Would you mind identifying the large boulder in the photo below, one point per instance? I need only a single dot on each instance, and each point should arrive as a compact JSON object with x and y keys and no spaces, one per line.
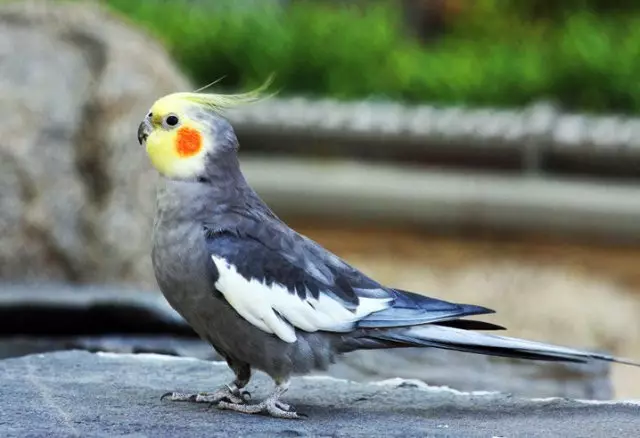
{"x":77,"y":191}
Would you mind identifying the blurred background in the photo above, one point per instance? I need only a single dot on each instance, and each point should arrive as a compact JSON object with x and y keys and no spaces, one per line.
{"x":483,"y":151}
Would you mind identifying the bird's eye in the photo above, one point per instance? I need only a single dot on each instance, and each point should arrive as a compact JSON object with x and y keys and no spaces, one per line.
{"x":150,"y":115}
{"x":171,"y":120}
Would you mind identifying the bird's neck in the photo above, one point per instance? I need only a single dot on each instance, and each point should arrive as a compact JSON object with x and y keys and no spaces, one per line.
{"x":224,"y":189}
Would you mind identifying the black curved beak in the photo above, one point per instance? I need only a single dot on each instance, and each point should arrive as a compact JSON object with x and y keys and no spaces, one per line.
{"x":143,"y":131}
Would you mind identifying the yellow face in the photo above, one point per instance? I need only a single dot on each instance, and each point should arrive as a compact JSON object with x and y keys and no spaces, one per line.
{"x":176,"y":143}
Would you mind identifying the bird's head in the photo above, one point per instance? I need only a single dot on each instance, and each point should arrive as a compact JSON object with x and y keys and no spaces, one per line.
{"x":184,"y":133}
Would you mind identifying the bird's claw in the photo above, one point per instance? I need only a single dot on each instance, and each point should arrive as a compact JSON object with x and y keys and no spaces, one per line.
{"x":181,"y":396}
{"x":239,"y":392}
{"x":166,"y":394}
{"x":272,"y":408}
{"x":288,"y":408}
{"x":225,"y":394}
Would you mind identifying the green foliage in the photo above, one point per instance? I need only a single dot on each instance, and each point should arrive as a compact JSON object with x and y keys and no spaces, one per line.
{"x":561,"y":9}
{"x":598,"y":64}
{"x":492,"y":56}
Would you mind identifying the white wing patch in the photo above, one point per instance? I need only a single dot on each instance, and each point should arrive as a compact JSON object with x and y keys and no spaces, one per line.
{"x":258,"y":303}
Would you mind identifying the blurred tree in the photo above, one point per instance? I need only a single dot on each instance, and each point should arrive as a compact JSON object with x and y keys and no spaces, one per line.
{"x":425,"y":20}
{"x":429,"y":19}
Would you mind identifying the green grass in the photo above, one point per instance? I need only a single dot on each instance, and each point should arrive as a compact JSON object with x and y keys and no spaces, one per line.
{"x":584,"y":62}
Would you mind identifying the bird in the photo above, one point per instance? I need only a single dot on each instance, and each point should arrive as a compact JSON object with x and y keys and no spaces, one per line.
{"x":266,"y":297}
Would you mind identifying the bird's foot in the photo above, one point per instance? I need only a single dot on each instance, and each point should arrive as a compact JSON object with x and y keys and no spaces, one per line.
{"x":229,"y":393}
{"x":270,"y":406}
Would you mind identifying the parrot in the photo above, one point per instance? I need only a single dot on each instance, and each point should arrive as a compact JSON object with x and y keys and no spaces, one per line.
{"x":265,"y":297}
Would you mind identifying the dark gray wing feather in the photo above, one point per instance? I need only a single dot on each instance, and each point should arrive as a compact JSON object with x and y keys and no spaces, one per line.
{"x":272,"y":253}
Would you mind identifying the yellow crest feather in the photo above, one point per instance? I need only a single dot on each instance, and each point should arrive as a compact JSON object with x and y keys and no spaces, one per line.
{"x":221,"y":102}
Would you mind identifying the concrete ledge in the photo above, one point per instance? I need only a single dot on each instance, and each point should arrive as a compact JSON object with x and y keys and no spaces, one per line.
{"x":533,"y":138}
{"x":45,"y":318}
{"x":105,"y":394}
{"x":438,"y":199}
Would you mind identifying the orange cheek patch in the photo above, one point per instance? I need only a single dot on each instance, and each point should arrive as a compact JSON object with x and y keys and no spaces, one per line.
{"x":189,"y":141}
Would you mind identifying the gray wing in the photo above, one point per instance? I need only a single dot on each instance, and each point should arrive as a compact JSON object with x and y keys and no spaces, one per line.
{"x":281,"y":281}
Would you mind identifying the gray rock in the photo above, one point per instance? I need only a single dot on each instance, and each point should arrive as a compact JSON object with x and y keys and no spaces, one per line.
{"x":88,"y":309}
{"x":461,"y":371}
{"x":472,"y":372}
{"x":17,"y":346}
{"x":77,"y":192}
{"x":109,"y":395}
{"x":126,"y":321}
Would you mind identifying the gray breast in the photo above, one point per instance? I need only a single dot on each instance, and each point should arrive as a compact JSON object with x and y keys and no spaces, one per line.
{"x":185,"y":274}
{"x":180,"y":265}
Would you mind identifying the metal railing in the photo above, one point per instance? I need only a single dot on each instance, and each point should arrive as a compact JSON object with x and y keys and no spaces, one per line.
{"x":532,"y":139}
{"x":540,"y":143}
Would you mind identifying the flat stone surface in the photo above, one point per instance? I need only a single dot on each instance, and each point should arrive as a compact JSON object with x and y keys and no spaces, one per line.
{"x":52,"y":317}
{"x":106,"y":395}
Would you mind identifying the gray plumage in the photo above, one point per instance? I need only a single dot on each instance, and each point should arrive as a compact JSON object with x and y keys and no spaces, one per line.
{"x":212,"y":231}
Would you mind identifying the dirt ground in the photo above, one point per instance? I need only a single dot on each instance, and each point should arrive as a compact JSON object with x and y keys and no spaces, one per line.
{"x":576,"y":294}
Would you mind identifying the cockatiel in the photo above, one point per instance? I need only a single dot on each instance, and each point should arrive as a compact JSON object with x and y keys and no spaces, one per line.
{"x":264,"y":296}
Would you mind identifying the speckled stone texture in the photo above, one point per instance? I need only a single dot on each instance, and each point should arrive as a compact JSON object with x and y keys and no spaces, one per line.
{"x":110,"y":395}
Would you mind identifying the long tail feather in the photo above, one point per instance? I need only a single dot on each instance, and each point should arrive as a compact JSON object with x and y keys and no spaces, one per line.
{"x":452,"y":338}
